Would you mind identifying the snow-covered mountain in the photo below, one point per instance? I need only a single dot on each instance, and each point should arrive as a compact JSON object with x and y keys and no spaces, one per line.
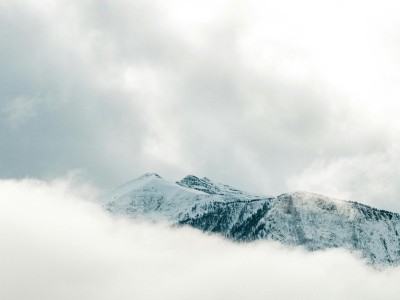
{"x":297,"y":219}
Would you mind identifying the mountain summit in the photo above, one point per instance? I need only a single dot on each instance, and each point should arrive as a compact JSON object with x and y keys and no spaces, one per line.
{"x":301,"y":219}
{"x":204,"y":185}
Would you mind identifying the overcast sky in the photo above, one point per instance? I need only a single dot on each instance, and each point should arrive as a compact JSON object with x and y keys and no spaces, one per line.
{"x":268,"y":96}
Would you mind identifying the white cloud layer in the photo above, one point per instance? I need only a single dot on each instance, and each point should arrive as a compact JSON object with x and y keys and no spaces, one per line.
{"x":264,"y":95}
{"x":57,"y":244}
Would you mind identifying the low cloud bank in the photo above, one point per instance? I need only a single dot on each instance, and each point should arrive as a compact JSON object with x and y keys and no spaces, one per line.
{"x":58,"y":244}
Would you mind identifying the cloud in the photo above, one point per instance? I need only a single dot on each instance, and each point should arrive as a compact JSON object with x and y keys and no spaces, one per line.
{"x":250,"y":93}
{"x":58,"y":244}
{"x":362,"y":178}
{"x":19,"y":110}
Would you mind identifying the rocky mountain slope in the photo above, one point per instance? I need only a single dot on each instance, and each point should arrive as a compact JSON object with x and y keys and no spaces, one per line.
{"x":298,"y":219}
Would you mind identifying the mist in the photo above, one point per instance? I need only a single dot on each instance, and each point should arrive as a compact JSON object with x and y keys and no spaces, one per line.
{"x":58,"y":243}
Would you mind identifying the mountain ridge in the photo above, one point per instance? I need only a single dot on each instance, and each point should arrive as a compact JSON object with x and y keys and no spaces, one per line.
{"x":312,"y":221}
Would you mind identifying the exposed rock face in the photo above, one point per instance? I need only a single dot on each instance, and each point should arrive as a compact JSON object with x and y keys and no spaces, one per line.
{"x":297,"y":219}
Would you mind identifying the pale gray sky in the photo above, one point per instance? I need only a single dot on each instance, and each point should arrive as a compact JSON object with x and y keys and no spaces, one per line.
{"x":268,"y":96}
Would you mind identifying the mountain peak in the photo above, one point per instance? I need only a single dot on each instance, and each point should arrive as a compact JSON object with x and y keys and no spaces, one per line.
{"x":147,"y":175}
{"x":192,"y":179}
{"x":201,"y":184}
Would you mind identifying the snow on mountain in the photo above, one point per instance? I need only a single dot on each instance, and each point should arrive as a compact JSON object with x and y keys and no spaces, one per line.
{"x":297,"y":219}
{"x":209,"y":187}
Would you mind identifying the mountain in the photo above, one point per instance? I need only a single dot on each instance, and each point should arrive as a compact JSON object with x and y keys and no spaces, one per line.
{"x":301,"y":219}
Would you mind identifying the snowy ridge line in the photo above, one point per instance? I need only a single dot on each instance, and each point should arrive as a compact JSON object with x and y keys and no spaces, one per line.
{"x":381,"y":211}
{"x":248,"y":201}
{"x":308,"y":220}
